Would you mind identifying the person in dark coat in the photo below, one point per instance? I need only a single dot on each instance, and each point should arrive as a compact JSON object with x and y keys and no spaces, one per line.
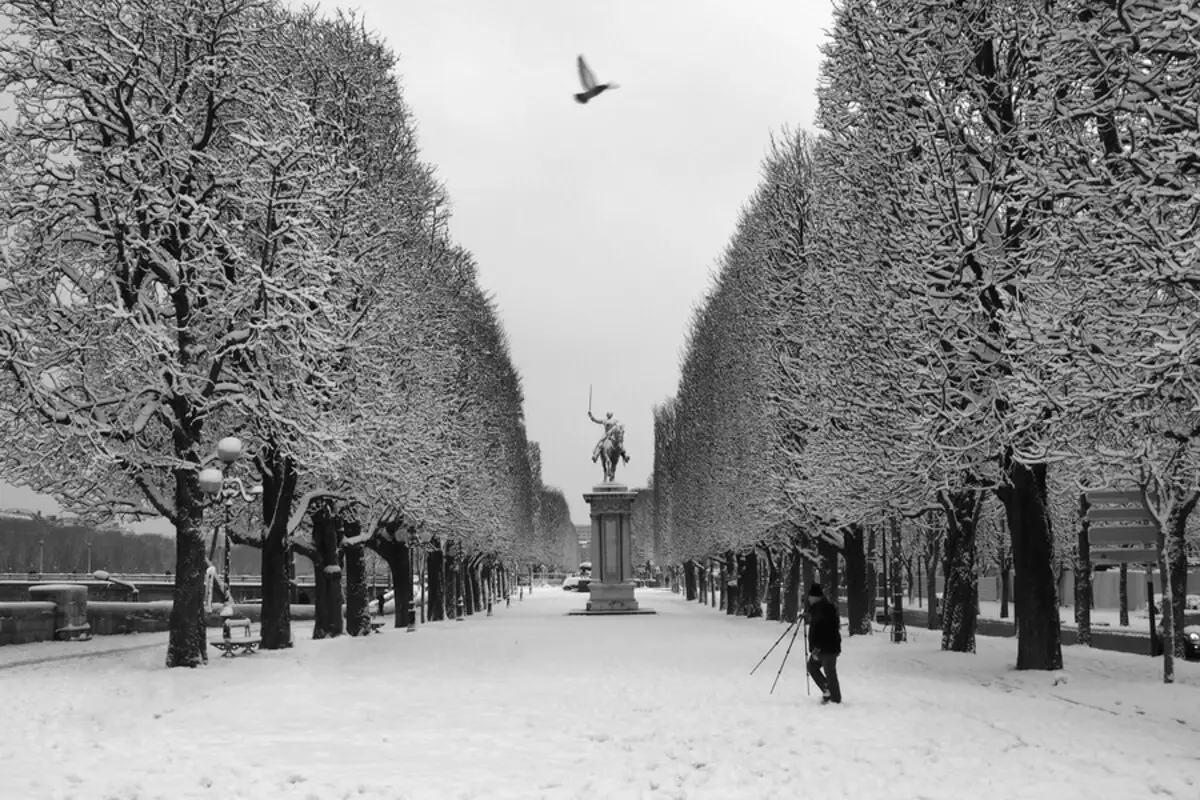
{"x":825,"y":644}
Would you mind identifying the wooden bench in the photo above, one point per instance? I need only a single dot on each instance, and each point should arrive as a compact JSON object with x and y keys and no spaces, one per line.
{"x":230,"y":646}
{"x":376,"y":627}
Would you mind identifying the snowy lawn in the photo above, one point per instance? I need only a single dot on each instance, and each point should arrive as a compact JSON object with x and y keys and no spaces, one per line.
{"x":532,"y":703}
{"x":1102,"y":618}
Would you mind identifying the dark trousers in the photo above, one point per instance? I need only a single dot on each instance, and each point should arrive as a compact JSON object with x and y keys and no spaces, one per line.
{"x":823,"y":669}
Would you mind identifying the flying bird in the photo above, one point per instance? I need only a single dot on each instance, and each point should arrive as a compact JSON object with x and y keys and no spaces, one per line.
{"x":590,"y":87}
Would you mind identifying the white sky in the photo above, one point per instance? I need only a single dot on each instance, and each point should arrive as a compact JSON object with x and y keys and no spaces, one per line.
{"x":596,"y":227}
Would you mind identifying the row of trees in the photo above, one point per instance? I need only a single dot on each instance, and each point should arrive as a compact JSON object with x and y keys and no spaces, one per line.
{"x":980,"y":280}
{"x":216,"y":222}
{"x":39,"y":543}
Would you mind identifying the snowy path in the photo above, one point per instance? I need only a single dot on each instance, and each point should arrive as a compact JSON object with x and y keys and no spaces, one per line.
{"x":534,"y":704}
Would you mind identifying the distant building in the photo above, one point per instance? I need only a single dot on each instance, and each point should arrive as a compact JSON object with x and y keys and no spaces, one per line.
{"x":583,"y":534}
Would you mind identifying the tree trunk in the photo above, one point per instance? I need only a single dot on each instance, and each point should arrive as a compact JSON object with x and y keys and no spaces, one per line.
{"x":1005,"y":587}
{"x":702,"y":582}
{"x":399,"y":560}
{"x":187,"y":645}
{"x":481,"y":594}
{"x":908,"y":573}
{"x":959,"y":598}
{"x":1124,"y":620}
{"x":1083,"y":575}
{"x":452,"y":583}
{"x":460,"y":589}
{"x":689,"y":580}
{"x":872,"y":573}
{"x":807,"y":579}
{"x":435,"y":573}
{"x":327,"y":572}
{"x":748,"y":590}
{"x":859,"y":605}
{"x":1176,"y":556}
{"x":934,"y":617}
{"x":1039,"y":633}
{"x":405,"y":611}
{"x":731,"y":584}
{"x":885,"y":574}
{"x":279,"y":493}
{"x":358,"y":591}
{"x":722,"y":585}
{"x":791,"y":592}
{"x":466,"y":569}
{"x":920,"y":584}
{"x":473,"y":591}
{"x":899,"y":633}
{"x":829,"y":570}
{"x":774,"y":587}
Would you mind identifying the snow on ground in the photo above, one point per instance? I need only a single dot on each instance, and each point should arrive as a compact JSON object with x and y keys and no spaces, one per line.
{"x":531,"y":703}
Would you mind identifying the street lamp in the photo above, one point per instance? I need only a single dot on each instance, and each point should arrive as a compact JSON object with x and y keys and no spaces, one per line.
{"x":103,"y":575}
{"x":213,"y":482}
{"x":417,"y":544}
{"x":460,"y":581}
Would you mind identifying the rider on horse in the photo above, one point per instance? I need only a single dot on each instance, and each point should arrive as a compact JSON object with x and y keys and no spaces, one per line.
{"x":614,"y":433}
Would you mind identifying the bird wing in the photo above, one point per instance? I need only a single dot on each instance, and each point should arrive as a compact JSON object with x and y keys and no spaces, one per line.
{"x":585,"y":76}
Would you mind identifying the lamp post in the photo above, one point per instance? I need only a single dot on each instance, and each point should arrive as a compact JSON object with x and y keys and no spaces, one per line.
{"x":460,"y":580}
{"x":213,"y":482}
{"x":416,"y":550}
{"x":103,"y":575}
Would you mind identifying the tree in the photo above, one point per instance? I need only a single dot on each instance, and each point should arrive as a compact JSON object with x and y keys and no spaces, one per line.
{"x":140,"y":200}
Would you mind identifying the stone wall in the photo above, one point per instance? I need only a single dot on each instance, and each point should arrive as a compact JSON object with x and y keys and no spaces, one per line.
{"x":24,"y":622}
{"x":108,"y":618}
{"x":21,"y":623}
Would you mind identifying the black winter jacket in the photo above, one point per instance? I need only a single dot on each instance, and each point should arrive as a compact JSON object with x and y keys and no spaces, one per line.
{"x":824,"y":628}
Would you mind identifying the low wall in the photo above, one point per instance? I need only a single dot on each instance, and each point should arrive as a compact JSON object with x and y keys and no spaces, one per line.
{"x":21,"y":623}
{"x":108,"y":618}
{"x":25,"y":622}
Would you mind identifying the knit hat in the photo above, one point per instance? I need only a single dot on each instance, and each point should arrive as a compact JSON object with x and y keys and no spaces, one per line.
{"x":815,"y":591}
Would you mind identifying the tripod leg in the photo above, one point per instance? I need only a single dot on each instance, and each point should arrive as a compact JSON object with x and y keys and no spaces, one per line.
{"x":777,"y":641}
{"x":807,"y":677}
{"x":785,"y":657}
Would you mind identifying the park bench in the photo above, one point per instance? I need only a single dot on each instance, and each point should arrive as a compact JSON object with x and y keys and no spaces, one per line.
{"x":229,"y":645}
{"x":376,"y":627}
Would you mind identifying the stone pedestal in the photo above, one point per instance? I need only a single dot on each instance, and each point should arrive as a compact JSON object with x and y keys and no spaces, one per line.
{"x":70,"y":603}
{"x":611,"y":589}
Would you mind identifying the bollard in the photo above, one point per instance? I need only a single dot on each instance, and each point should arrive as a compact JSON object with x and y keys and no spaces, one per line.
{"x":508,"y":601}
{"x":459,"y":608}
{"x":489,"y":608}
{"x":522,"y":597}
{"x":412,"y":616}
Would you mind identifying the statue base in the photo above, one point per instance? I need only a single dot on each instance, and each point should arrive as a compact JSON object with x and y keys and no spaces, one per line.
{"x":610,"y":599}
{"x":611,"y":590}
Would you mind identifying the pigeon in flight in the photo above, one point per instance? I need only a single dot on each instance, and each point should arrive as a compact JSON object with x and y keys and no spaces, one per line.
{"x":590,"y":87}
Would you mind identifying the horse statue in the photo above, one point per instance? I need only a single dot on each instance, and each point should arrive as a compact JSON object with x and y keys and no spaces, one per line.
{"x":612,"y":449}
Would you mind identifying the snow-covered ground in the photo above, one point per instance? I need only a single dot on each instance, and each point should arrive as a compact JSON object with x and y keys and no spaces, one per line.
{"x":531,"y":703}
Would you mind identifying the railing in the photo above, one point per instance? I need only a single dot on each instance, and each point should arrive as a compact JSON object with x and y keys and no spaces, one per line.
{"x":76,"y":577}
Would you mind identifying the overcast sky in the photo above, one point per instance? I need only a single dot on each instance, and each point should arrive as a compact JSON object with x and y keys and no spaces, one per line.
{"x":596,"y":227}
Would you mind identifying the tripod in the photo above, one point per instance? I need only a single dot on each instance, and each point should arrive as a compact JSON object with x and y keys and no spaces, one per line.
{"x":794,"y":628}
